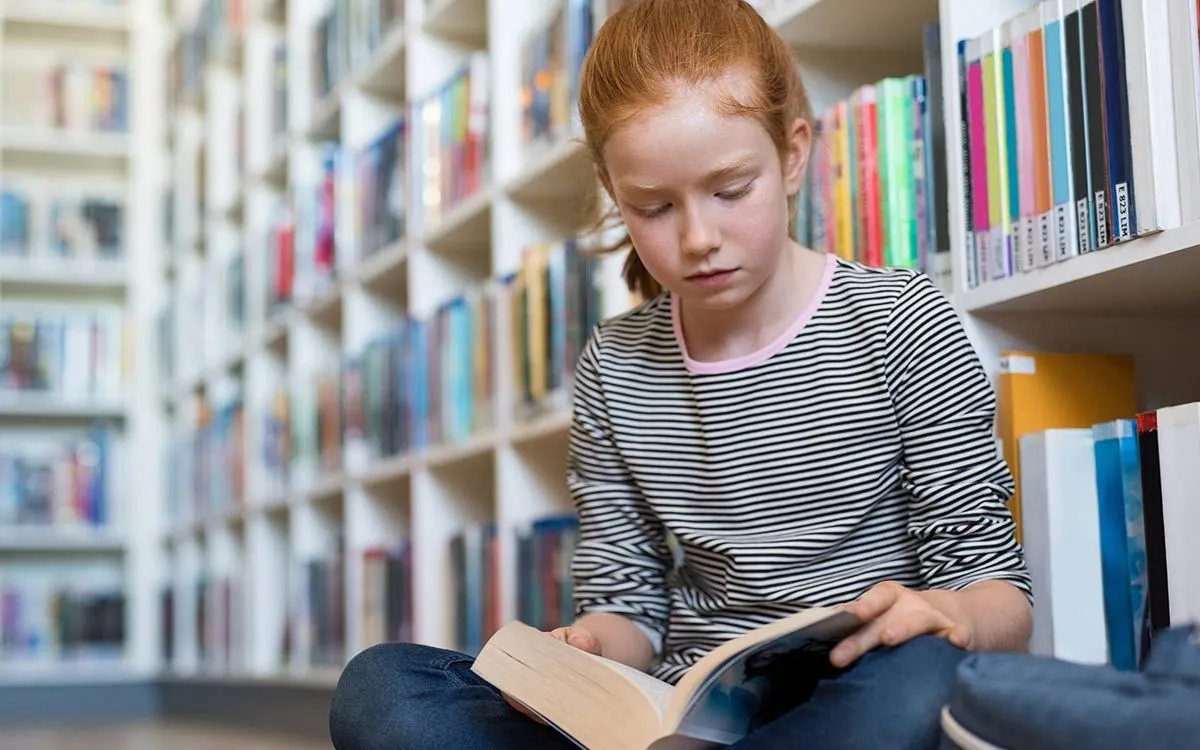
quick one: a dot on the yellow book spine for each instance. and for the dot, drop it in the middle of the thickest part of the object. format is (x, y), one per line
(997, 153)
(537, 322)
(844, 236)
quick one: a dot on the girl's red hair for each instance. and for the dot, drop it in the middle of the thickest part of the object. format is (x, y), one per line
(650, 49)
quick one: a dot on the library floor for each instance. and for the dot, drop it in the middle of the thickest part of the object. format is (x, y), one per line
(151, 736)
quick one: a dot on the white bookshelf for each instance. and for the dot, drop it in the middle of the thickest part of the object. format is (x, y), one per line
(1140, 297)
(1136, 297)
(509, 474)
(75, 159)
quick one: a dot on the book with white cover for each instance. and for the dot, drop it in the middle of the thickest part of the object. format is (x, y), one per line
(1061, 537)
(1179, 472)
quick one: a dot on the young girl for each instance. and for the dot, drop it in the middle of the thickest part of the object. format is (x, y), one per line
(808, 431)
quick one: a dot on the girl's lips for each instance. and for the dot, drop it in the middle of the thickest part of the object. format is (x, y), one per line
(712, 278)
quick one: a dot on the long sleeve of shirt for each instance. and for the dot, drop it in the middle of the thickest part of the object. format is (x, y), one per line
(621, 556)
(956, 480)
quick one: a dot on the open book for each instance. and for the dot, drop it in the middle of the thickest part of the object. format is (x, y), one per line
(602, 704)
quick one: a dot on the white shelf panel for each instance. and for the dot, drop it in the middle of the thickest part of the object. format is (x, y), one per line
(386, 471)
(875, 25)
(33, 539)
(65, 275)
(384, 75)
(74, 14)
(55, 147)
(554, 424)
(459, 20)
(326, 309)
(1149, 275)
(94, 672)
(465, 226)
(325, 124)
(445, 456)
(562, 172)
(385, 269)
(275, 173)
(34, 406)
(320, 679)
(326, 487)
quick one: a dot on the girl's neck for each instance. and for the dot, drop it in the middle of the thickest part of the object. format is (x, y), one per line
(724, 335)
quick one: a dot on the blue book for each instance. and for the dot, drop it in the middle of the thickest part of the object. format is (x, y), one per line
(1122, 538)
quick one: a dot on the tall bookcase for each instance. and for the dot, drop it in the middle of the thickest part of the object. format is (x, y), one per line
(76, 524)
(254, 566)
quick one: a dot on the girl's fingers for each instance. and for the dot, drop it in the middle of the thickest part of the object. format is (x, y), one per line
(892, 628)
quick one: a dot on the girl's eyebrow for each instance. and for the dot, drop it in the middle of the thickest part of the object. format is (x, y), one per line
(732, 169)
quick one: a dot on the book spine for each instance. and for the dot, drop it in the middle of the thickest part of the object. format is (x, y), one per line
(1089, 24)
(1077, 117)
(1040, 132)
(1116, 116)
(1022, 120)
(980, 160)
(1000, 239)
(968, 169)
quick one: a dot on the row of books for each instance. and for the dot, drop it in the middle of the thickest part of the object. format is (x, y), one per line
(871, 193)
(545, 593)
(451, 144)
(67, 355)
(374, 195)
(219, 621)
(280, 112)
(42, 620)
(316, 623)
(63, 482)
(50, 221)
(1068, 117)
(205, 314)
(551, 61)
(214, 36)
(76, 95)
(1093, 531)
(433, 382)
(206, 474)
(1110, 533)
(545, 590)
(302, 244)
(387, 594)
(346, 37)
(318, 611)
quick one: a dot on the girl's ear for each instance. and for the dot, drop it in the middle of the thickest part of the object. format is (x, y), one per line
(796, 161)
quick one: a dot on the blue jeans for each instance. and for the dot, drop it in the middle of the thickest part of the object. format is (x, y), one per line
(397, 696)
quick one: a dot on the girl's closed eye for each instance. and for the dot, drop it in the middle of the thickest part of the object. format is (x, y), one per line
(653, 212)
(736, 193)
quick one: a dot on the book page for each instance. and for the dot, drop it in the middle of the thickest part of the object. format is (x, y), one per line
(656, 690)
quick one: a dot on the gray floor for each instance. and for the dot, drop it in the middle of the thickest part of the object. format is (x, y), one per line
(150, 736)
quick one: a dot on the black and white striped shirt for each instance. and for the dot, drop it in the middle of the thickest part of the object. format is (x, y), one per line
(857, 448)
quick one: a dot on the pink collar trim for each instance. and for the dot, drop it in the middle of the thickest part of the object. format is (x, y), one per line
(768, 351)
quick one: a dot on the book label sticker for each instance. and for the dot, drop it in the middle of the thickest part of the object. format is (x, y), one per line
(1018, 364)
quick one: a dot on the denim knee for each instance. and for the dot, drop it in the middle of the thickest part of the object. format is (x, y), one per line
(922, 672)
(377, 681)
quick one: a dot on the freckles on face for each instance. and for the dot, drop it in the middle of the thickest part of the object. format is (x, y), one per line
(688, 178)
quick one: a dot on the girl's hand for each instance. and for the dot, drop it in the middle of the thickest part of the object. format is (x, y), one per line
(581, 638)
(893, 614)
(573, 635)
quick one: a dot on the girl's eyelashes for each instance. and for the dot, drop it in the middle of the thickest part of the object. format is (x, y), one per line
(653, 212)
(735, 194)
